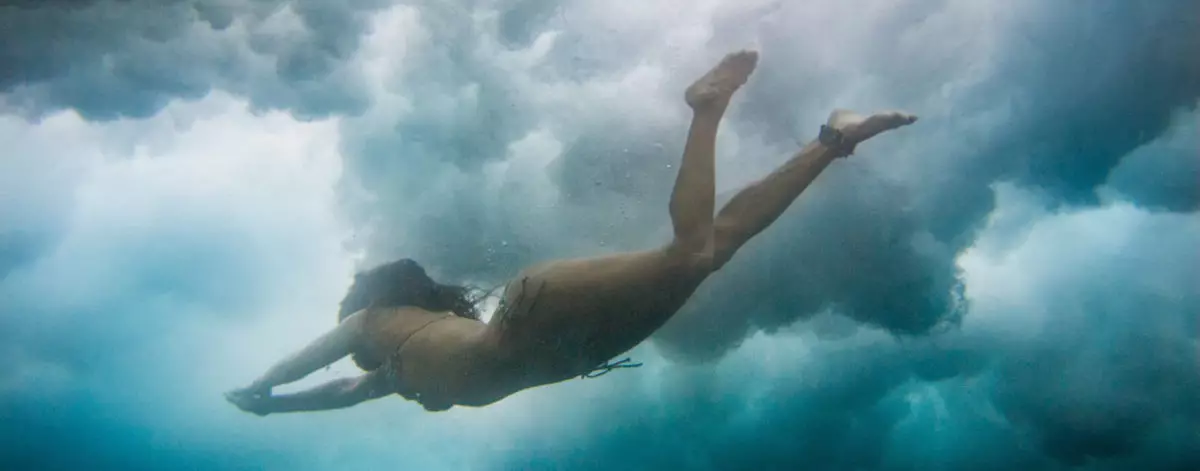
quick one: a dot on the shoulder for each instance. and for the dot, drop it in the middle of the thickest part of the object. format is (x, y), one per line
(372, 316)
(407, 311)
(400, 321)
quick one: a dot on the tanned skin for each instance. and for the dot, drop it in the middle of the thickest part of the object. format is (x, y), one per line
(565, 317)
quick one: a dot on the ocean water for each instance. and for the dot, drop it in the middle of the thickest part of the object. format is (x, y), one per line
(188, 187)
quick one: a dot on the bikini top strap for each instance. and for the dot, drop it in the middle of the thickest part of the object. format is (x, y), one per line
(394, 364)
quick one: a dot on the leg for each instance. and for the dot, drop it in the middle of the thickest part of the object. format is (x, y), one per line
(692, 201)
(758, 205)
(326, 349)
(586, 311)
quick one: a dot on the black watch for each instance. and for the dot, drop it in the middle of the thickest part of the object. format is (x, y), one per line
(835, 140)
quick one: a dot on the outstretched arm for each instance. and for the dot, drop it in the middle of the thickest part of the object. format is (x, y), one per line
(326, 349)
(336, 394)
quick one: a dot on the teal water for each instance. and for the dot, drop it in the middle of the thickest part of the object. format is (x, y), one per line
(186, 189)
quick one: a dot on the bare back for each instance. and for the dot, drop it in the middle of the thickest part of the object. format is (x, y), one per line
(437, 358)
(386, 329)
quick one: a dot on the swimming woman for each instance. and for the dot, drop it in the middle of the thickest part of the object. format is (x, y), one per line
(561, 319)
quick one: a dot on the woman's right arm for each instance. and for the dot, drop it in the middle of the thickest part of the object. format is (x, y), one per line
(336, 394)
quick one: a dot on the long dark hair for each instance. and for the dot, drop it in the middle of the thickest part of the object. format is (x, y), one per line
(405, 283)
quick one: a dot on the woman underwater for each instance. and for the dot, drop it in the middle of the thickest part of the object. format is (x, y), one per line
(561, 319)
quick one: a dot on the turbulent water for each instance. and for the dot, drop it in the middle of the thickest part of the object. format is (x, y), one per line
(187, 187)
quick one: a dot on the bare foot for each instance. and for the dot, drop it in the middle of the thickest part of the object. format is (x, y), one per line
(716, 87)
(857, 128)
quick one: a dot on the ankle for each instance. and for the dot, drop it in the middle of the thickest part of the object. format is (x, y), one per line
(708, 116)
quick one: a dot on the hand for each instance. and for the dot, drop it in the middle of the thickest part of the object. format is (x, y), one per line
(250, 400)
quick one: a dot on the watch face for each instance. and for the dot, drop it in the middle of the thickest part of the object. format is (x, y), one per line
(834, 139)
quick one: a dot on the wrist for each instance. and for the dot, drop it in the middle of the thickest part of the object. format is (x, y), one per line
(259, 387)
(271, 405)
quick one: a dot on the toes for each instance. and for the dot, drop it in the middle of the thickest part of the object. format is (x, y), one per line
(734, 69)
(743, 61)
(900, 118)
(744, 56)
(888, 120)
(722, 80)
(899, 121)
